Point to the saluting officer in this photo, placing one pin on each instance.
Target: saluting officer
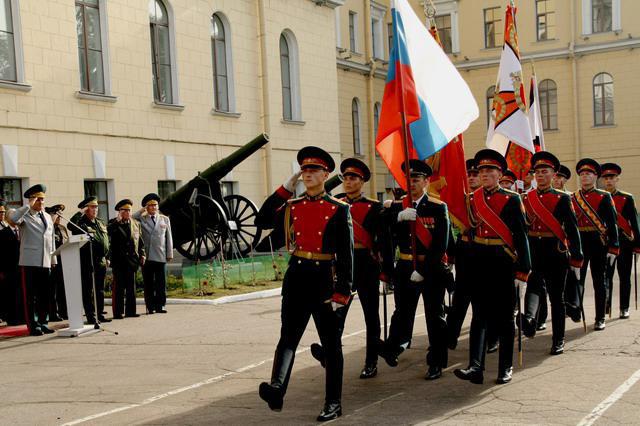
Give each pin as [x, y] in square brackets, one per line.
[127, 254]
[424, 276]
[629, 234]
[158, 245]
[598, 234]
[93, 269]
[372, 257]
[36, 253]
[555, 247]
[316, 229]
[57, 298]
[502, 264]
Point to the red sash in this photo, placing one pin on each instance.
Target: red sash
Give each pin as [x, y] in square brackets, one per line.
[546, 217]
[492, 219]
[360, 235]
[590, 214]
[422, 232]
[625, 226]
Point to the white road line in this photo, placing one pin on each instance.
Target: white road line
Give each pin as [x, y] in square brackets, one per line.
[610, 400]
[193, 386]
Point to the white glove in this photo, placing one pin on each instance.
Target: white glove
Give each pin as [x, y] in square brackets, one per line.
[335, 306]
[387, 203]
[576, 272]
[416, 277]
[521, 285]
[290, 184]
[408, 214]
[611, 258]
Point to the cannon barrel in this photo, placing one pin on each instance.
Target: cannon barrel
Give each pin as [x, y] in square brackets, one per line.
[213, 174]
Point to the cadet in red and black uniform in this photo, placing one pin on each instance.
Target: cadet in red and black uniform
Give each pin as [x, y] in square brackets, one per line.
[429, 217]
[464, 270]
[317, 230]
[555, 247]
[629, 234]
[502, 264]
[561, 178]
[508, 179]
[598, 234]
[372, 258]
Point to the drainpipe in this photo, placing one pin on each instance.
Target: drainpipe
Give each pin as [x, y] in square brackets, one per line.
[369, 56]
[266, 109]
[574, 76]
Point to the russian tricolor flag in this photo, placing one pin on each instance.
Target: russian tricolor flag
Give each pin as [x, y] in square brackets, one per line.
[424, 84]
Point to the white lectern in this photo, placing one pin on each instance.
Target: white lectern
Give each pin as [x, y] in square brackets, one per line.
[70, 253]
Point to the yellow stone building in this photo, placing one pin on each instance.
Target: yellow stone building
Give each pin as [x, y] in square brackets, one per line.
[585, 54]
[121, 98]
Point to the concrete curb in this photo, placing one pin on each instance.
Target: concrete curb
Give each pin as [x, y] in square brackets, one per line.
[220, 301]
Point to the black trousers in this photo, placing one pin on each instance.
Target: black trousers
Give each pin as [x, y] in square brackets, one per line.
[548, 275]
[123, 291]
[35, 293]
[155, 285]
[406, 295]
[306, 288]
[12, 297]
[624, 263]
[462, 294]
[595, 254]
[493, 298]
[57, 294]
[87, 292]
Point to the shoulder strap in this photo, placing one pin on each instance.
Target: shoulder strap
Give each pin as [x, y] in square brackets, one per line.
[546, 217]
[589, 213]
[492, 219]
[361, 235]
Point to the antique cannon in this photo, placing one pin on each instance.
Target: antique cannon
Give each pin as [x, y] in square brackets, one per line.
[204, 222]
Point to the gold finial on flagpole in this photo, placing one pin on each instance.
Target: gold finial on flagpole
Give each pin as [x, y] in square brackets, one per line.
[533, 67]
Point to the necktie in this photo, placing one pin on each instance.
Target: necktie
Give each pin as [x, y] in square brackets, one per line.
[153, 219]
[415, 205]
[15, 231]
[42, 219]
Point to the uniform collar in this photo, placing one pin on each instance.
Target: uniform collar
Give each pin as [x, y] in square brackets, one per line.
[315, 197]
[543, 191]
[353, 200]
[491, 191]
[588, 191]
[419, 200]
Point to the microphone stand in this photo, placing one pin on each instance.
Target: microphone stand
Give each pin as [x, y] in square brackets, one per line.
[97, 325]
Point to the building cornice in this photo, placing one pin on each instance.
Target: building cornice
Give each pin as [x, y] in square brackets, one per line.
[364, 69]
[331, 4]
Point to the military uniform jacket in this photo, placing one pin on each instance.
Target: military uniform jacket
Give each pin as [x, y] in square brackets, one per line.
[158, 242]
[558, 203]
[370, 232]
[316, 225]
[127, 245]
[433, 218]
[36, 237]
[627, 218]
[508, 206]
[10, 251]
[599, 203]
[99, 242]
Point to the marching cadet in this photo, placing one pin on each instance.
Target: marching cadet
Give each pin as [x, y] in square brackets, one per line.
[316, 229]
[561, 178]
[554, 243]
[429, 217]
[502, 264]
[508, 180]
[372, 258]
[57, 300]
[464, 270]
[599, 236]
[127, 253]
[3, 212]
[93, 259]
[627, 218]
[11, 306]
[36, 250]
[158, 246]
[527, 183]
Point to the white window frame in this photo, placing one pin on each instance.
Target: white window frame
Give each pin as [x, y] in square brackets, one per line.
[175, 92]
[355, 31]
[16, 22]
[294, 75]
[106, 60]
[450, 7]
[378, 13]
[587, 22]
[358, 152]
[231, 92]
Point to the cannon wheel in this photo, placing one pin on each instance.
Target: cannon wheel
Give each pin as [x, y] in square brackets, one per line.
[210, 232]
[244, 234]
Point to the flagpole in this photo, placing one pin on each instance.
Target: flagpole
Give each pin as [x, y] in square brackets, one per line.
[405, 139]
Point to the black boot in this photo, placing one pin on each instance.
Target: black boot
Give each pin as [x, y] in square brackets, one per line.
[473, 374]
[317, 351]
[504, 375]
[369, 371]
[331, 411]
[434, 372]
[528, 326]
[557, 348]
[389, 354]
[272, 395]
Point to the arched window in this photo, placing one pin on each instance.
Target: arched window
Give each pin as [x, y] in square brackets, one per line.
[603, 100]
[548, 93]
[162, 53]
[355, 126]
[491, 91]
[289, 76]
[224, 99]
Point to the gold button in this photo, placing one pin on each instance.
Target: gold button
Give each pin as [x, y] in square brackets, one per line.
[333, 207]
[319, 232]
[299, 262]
[321, 202]
[317, 263]
[319, 249]
[326, 218]
[293, 208]
[297, 233]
